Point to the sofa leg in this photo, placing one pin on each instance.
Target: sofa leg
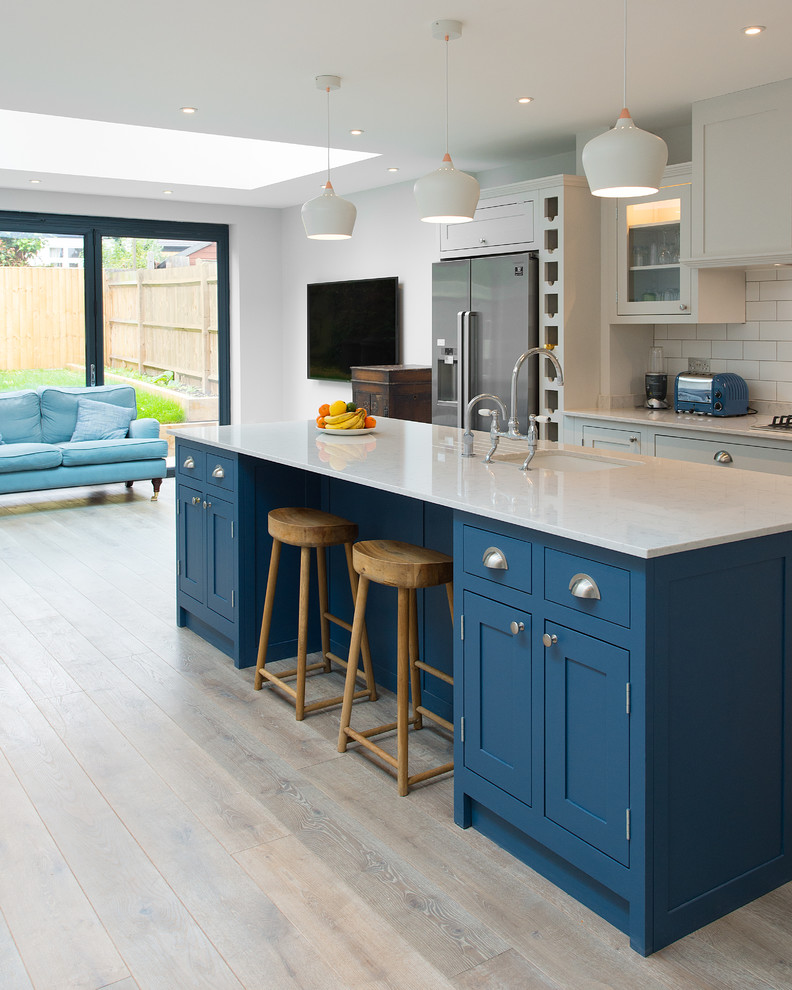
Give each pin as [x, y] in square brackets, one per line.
[157, 484]
[129, 484]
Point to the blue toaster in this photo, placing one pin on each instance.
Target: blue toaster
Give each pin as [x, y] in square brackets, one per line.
[713, 395]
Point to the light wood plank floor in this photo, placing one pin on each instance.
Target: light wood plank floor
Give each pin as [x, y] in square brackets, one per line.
[165, 827]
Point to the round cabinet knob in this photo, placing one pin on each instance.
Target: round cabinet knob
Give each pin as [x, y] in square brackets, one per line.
[517, 627]
[196, 500]
[549, 639]
[634, 439]
[218, 472]
[482, 240]
[207, 505]
[683, 307]
[189, 463]
[495, 559]
[723, 457]
[584, 586]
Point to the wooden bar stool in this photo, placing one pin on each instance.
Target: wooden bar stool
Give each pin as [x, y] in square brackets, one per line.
[307, 529]
[406, 567]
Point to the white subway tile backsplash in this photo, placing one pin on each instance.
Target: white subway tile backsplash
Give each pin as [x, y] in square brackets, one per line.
[684, 331]
[724, 349]
[784, 272]
[760, 275]
[697, 348]
[781, 371]
[671, 348]
[775, 290]
[766, 391]
[760, 310]
[674, 367]
[752, 291]
[783, 392]
[776, 330]
[748, 369]
[660, 331]
[711, 331]
[783, 309]
[743, 331]
[759, 350]
[784, 350]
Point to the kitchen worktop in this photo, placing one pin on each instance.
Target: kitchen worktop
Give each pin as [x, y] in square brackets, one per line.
[646, 506]
[738, 426]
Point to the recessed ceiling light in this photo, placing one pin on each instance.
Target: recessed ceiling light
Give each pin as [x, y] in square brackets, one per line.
[393, 169]
[356, 131]
[34, 182]
[188, 109]
[754, 29]
[167, 192]
[525, 99]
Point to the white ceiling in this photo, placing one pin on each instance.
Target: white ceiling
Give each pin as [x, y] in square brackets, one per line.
[249, 68]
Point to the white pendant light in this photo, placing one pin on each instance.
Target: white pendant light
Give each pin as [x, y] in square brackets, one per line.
[328, 217]
[446, 195]
[625, 161]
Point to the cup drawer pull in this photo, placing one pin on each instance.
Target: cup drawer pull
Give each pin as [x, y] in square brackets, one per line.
[189, 463]
[495, 559]
[218, 472]
[723, 457]
[584, 586]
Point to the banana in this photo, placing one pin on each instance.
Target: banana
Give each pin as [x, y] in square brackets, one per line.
[355, 422]
[341, 418]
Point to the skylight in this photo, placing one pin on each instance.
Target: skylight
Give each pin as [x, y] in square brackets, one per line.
[69, 146]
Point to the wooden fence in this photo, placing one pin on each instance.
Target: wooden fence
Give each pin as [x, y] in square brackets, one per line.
[155, 320]
[43, 318]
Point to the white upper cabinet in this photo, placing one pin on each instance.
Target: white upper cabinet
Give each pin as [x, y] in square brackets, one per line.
[742, 178]
[501, 223]
[645, 276]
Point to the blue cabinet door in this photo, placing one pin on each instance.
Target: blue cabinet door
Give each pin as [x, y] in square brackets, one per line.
[587, 738]
[498, 696]
[191, 543]
[221, 557]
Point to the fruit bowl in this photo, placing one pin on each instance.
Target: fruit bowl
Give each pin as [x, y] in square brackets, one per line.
[344, 433]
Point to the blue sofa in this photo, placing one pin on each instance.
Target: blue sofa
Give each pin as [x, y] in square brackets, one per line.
[60, 437]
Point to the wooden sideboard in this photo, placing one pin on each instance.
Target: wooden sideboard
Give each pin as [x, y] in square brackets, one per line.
[401, 391]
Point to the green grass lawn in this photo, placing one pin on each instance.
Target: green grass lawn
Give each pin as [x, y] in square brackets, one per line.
[161, 408]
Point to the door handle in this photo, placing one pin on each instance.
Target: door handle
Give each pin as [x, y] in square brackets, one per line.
[495, 559]
[218, 472]
[584, 586]
[723, 457]
[189, 463]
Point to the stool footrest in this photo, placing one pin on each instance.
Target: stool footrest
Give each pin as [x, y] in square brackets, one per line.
[435, 718]
[274, 679]
[422, 665]
[427, 774]
[339, 622]
[289, 673]
[361, 738]
[326, 702]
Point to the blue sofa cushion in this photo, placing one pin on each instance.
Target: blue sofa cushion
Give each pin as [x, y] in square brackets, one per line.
[111, 451]
[101, 421]
[20, 417]
[28, 457]
[60, 404]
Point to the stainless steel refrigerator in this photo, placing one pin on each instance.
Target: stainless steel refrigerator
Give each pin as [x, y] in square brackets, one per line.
[485, 313]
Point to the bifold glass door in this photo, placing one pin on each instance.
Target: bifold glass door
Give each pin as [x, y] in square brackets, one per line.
[42, 309]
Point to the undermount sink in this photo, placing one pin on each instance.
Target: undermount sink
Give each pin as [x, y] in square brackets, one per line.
[562, 460]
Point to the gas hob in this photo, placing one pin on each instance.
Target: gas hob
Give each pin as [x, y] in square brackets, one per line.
[781, 423]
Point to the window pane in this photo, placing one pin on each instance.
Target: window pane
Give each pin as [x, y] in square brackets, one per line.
[160, 325]
[42, 309]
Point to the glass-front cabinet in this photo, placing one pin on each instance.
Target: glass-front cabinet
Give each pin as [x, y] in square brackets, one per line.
[653, 234]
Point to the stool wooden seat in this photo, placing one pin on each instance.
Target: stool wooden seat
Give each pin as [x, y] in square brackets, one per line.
[310, 529]
[406, 567]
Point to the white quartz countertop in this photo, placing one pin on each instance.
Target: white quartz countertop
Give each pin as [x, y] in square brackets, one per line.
[738, 426]
[646, 506]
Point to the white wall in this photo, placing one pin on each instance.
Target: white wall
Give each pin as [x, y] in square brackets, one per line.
[255, 280]
[760, 349]
[389, 239]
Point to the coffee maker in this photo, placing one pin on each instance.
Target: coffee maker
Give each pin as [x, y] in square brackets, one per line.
[656, 380]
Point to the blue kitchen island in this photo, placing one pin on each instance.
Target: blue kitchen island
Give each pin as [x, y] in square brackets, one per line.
[621, 646]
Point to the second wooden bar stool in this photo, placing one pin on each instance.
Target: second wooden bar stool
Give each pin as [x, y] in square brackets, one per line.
[406, 567]
[310, 529]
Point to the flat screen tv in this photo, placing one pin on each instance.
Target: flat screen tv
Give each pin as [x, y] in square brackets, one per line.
[351, 324]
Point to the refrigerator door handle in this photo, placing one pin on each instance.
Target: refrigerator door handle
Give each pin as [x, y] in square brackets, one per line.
[461, 368]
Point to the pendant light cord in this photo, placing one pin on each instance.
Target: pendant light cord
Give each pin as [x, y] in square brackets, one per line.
[446, 94]
[624, 82]
[327, 90]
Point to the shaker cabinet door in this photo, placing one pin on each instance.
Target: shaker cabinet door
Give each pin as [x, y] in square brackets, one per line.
[587, 739]
[221, 557]
[498, 697]
[191, 543]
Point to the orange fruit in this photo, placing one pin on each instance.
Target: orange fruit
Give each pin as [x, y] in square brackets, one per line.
[370, 422]
[320, 422]
[324, 410]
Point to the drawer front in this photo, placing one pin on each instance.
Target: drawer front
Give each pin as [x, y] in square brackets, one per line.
[726, 454]
[607, 438]
[485, 554]
[496, 224]
[190, 463]
[588, 586]
[375, 402]
[220, 471]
